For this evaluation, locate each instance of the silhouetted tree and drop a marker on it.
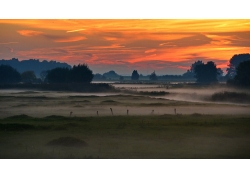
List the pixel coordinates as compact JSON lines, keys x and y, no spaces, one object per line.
{"x":9,"y":74}
{"x":58,"y":75}
{"x":242,"y":77}
{"x":192,"y":68}
{"x":135,"y":75}
{"x":28,"y":76}
{"x":190,"y":72}
{"x":206,"y":73}
{"x":81,"y":74}
{"x":234,"y":62}
{"x":153,"y":77}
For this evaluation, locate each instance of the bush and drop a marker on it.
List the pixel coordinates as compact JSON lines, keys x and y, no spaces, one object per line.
{"x":231,"y":97}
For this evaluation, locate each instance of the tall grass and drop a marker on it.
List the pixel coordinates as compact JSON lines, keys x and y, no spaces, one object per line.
{"x":235,"y":97}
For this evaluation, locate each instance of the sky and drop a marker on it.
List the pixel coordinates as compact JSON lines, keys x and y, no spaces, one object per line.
{"x":166,"y":46}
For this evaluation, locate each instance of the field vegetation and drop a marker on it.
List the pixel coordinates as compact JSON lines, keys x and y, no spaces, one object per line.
{"x":164,"y":136}
{"x":151,"y":123}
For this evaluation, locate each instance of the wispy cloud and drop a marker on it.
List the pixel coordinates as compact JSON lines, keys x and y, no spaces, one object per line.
{"x":76,"y":30}
{"x":150,"y":51}
{"x":29,"y":32}
{"x":70,"y":39}
{"x":8,"y":42}
{"x":55,"y":38}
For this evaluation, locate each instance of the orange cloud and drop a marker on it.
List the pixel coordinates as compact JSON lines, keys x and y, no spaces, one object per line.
{"x":154,"y":25}
{"x":110,"y":38}
{"x":76,"y":30}
{"x":29,"y":32}
{"x":150,"y":50}
{"x":70,"y":39}
{"x":55,"y":38}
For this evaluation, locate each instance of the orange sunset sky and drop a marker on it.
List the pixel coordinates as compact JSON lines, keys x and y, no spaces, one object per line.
{"x":166,"y":46}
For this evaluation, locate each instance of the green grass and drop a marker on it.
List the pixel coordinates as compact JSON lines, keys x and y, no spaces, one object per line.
{"x":165,"y":136}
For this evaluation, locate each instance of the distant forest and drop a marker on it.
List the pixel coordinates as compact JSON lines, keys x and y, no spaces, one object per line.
{"x":33,"y":65}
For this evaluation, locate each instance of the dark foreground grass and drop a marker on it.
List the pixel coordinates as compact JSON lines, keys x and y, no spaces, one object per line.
{"x":166,"y":136}
{"x":234,"y":97}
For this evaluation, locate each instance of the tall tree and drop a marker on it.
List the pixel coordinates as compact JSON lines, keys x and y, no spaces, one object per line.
{"x":234,"y":62}
{"x":153,"y":77}
{"x":135,"y":75}
{"x":242,"y":77}
{"x":9,"y":74}
{"x":190,"y":72}
{"x":81,"y":74}
{"x":28,"y":76}
{"x":58,"y":75}
{"x":206,"y":73}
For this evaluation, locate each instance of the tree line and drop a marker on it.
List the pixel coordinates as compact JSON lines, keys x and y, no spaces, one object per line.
{"x":78,"y":74}
{"x":238,"y":73}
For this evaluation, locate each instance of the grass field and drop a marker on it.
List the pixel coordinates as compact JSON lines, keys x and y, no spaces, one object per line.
{"x":151,"y":129}
{"x":120,"y":137}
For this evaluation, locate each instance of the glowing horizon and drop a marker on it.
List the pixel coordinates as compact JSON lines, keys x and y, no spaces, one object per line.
{"x":166,"y":46}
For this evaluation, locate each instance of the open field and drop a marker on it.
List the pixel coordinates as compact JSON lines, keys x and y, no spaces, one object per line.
{"x":151,"y":129}
{"x":164,"y":136}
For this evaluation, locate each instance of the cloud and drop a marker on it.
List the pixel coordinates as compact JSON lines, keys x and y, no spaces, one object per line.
{"x":9,"y":43}
{"x":135,"y":25}
{"x":61,"y":38}
{"x":240,"y":39}
{"x":29,"y":32}
{"x":63,"y":51}
{"x":55,"y":38}
{"x":112,"y":46}
{"x":110,"y":38}
{"x":76,"y":30}
{"x":195,"y":40}
{"x":150,"y":51}
{"x":70,"y":39}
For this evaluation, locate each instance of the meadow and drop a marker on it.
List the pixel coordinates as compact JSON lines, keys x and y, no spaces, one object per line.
{"x":122,"y":137}
{"x":39,"y":124}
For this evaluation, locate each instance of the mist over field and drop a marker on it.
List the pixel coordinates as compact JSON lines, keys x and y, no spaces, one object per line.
{"x":202,"y":95}
{"x":184,"y":100}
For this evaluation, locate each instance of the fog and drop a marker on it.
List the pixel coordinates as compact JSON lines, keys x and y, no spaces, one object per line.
{"x":200,"y":95}
{"x":35,"y":93}
{"x":185,"y":101}
{"x":187,"y":94}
